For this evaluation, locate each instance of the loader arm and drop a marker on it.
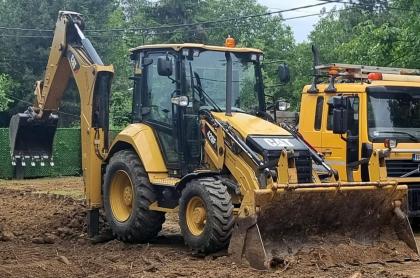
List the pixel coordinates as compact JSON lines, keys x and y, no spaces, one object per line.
{"x":32,"y":132}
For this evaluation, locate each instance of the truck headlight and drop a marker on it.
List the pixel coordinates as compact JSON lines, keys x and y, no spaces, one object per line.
{"x":390,"y":143}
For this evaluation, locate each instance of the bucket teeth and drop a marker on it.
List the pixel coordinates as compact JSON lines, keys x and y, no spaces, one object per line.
{"x":32,"y":138}
{"x":35,"y":160}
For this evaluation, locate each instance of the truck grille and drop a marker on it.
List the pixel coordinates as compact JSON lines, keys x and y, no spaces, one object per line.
{"x":397,"y":168}
{"x":304,"y":167}
{"x":414,"y":200}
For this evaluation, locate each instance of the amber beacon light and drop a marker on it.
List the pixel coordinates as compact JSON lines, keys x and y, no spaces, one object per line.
{"x":230,"y":42}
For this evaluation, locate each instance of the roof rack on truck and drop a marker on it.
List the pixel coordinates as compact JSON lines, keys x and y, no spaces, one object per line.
{"x":369,"y":72}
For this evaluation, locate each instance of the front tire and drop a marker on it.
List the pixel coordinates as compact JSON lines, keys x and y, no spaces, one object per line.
{"x":127,"y":195}
{"x":206,"y":215}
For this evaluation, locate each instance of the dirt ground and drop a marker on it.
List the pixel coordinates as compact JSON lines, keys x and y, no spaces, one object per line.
{"x":43,"y":234}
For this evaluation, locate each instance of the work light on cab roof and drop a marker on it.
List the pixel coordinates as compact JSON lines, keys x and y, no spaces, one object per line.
{"x":230,"y":42}
{"x":375,"y":76}
{"x":365,"y":72}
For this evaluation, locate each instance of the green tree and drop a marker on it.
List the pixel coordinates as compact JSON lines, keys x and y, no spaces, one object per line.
{"x":24,"y":53}
{"x":5,"y":87}
{"x":373,"y":33}
{"x":368,"y":32}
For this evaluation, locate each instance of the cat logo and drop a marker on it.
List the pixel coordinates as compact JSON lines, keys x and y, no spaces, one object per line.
{"x":73,"y":63}
{"x":277,"y":142}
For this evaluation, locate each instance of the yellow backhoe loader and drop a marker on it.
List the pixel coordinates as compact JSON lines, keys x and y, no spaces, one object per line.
{"x":202,"y":145}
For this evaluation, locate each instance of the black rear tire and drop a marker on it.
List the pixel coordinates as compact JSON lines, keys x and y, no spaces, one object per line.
{"x":219,"y":221}
{"x":142,"y":224}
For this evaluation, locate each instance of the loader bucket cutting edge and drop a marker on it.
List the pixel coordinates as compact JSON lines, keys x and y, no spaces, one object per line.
{"x":326,"y":226}
{"x":31,"y":138}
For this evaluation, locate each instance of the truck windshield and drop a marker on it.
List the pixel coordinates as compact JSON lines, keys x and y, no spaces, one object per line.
{"x":209,"y":74}
{"x":394,"y":115}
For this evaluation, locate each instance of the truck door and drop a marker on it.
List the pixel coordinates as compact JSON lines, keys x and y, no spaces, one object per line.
{"x":342,"y":151}
{"x":310,"y":119}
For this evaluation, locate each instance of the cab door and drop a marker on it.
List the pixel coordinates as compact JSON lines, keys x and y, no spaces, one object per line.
{"x":341,"y":151}
{"x":157,"y":109}
{"x":175,"y":126}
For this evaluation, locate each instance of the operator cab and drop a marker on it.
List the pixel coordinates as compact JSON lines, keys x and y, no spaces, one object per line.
{"x":174,"y":82}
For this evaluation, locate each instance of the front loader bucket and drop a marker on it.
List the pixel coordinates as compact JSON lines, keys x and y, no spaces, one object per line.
{"x":31,"y":139}
{"x":326,"y":225}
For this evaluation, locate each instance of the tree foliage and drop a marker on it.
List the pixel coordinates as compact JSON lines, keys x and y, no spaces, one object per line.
{"x":6,"y":85}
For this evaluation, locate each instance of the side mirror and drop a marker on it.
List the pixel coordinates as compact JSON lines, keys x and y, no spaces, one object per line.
{"x":340,"y":114}
{"x":283,"y":73}
{"x":164,"y":66}
{"x":282,"y":105}
{"x":147,"y":61}
{"x":340,"y":121}
{"x":182,"y":101}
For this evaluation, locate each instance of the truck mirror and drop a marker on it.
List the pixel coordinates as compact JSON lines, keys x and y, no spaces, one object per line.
{"x":340,"y":119}
{"x":164,"y":66}
{"x":282,"y":105}
{"x":283,"y":73}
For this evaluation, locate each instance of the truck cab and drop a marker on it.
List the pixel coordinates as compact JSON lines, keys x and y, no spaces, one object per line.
{"x":382,"y":112}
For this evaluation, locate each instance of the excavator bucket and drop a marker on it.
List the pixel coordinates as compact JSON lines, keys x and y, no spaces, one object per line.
{"x":31,"y":139}
{"x":327,"y":224}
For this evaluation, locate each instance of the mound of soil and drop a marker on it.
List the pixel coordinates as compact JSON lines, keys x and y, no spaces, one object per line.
{"x":44,"y":235}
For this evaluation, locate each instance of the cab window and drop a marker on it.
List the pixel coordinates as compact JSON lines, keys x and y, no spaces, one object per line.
{"x":318,"y":113}
{"x":157,"y":106}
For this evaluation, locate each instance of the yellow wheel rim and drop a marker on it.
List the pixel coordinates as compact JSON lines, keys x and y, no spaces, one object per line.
{"x":121,"y":196}
{"x":196,"y":216}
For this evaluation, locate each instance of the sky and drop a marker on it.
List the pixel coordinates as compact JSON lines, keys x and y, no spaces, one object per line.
{"x":303,"y":26}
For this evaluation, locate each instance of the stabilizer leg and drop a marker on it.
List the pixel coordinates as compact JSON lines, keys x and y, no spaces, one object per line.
{"x":93,"y":222}
{"x":246,"y":244}
{"x":18,"y":171}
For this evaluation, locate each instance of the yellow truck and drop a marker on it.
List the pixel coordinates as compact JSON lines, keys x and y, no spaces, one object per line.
{"x":361,"y":112}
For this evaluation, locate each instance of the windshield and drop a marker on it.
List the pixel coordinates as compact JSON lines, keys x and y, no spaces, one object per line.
{"x":395,"y":115}
{"x":209,"y":73}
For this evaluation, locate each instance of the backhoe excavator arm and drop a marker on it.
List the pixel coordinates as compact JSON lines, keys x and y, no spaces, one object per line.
{"x":32,"y":132}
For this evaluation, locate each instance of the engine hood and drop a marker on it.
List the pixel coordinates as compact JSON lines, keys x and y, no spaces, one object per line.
{"x":248,"y":125}
{"x":268,"y":140}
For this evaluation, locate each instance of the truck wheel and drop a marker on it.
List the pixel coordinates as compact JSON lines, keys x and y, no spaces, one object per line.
{"x":206,"y":215}
{"x":127,"y":195}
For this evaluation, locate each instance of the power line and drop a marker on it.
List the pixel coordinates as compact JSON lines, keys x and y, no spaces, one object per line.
{"x":18,"y":99}
{"x":164,"y":32}
{"x":25,"y":36}
{"x":30,"y":103}
{"x":362,"y":5}
{"x":176,"y":25}
{"x":213,"y":21}
{"x":29,"y":61}
{"x":25,"y":29}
